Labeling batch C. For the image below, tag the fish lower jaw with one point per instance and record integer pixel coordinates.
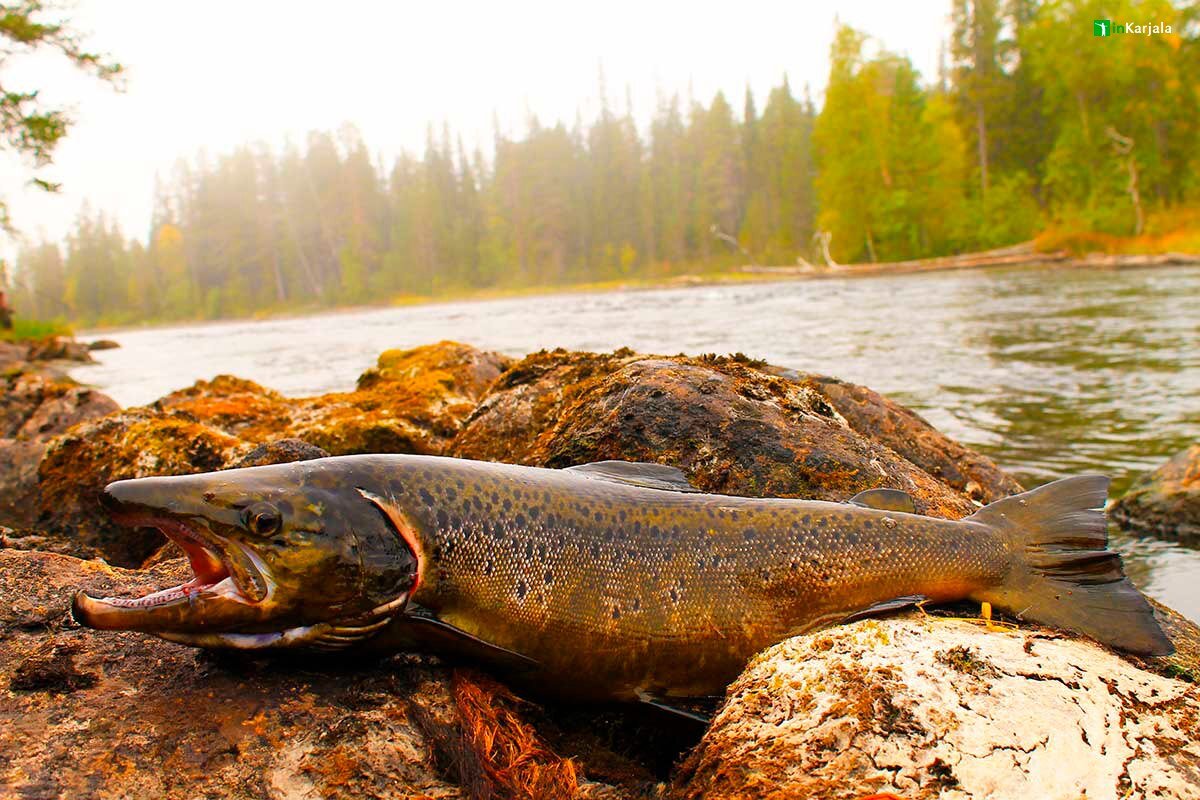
(225, 587)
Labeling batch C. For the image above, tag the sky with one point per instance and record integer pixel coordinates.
(212, 75)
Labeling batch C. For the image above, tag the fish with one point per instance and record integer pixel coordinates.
(604, 581)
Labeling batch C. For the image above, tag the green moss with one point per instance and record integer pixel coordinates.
(24, 330)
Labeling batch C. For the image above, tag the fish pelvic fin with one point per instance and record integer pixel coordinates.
(1063, 574)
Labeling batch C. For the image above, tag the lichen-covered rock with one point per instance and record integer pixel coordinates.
(104, 715)
(127, 444)
(465, 369)
(931, 707)
(732, 427)
(1166, 502)
(903, 430)
(414, 402)
(59, 348)
(34, 409)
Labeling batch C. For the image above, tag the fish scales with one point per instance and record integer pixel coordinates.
(592, 576)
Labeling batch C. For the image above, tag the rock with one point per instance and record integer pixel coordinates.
(104, 715)
(903, 430)
(932, 707)
(282, 451)
(413, 402)
(33, 410)
(114, 715)
(102, 344)
(1166, 502)
(135, 443)
(464, 368)
(732, 427)
(59, 348)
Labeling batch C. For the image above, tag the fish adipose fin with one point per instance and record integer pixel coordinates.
(633, 473)
(885, 500)
(1062, 574)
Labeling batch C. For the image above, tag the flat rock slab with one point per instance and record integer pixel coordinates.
(936, 707)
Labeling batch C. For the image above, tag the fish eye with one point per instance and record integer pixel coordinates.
(262, 519)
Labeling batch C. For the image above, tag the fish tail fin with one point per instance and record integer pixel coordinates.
(1063, 574)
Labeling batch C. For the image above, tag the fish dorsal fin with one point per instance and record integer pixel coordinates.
(637, 473)
(885, 500)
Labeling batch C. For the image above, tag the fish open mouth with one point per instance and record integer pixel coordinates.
(224, 572)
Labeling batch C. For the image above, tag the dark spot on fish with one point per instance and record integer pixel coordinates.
(595, 550)
(461, 484)
(522, 590)
(807, 518)
(542, 550)
(668, 554)
(508, 504)
(426, 497)
(674, 595)
(749, 533)
(475, 501)
(765, 574)
(495, 498)
(529, 549)
(443, 518)
(637, 604)
(548, 578)
(519, 520)
(451, 494)
(489, 567)
(867, 524)
(534, 512)
(621, 515)
(616, 613)
(598, 516)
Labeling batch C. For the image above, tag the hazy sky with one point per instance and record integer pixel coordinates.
(215, 74)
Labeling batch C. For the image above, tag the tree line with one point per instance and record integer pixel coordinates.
(1031, 121)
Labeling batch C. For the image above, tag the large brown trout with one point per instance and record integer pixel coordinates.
(610, 580)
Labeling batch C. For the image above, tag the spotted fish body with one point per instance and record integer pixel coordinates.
(618, 590)
(604, 581)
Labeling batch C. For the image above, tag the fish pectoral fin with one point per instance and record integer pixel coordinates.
(636, 473)
(697, 709)
(449, 639)
(885, 500)
(895, 604)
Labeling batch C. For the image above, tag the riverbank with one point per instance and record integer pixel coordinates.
(1034, 254)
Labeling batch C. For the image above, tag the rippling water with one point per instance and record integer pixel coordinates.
(1050, 373)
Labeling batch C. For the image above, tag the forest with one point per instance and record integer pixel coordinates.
(1032, 124)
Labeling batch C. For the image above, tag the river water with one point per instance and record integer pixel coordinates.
(1051, 373)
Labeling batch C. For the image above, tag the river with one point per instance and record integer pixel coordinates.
(1049, 372)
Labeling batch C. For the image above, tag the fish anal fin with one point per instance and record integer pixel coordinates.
(885, 607)
(697, 709)
(446, 638)
(885, 500)
(636, 473)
